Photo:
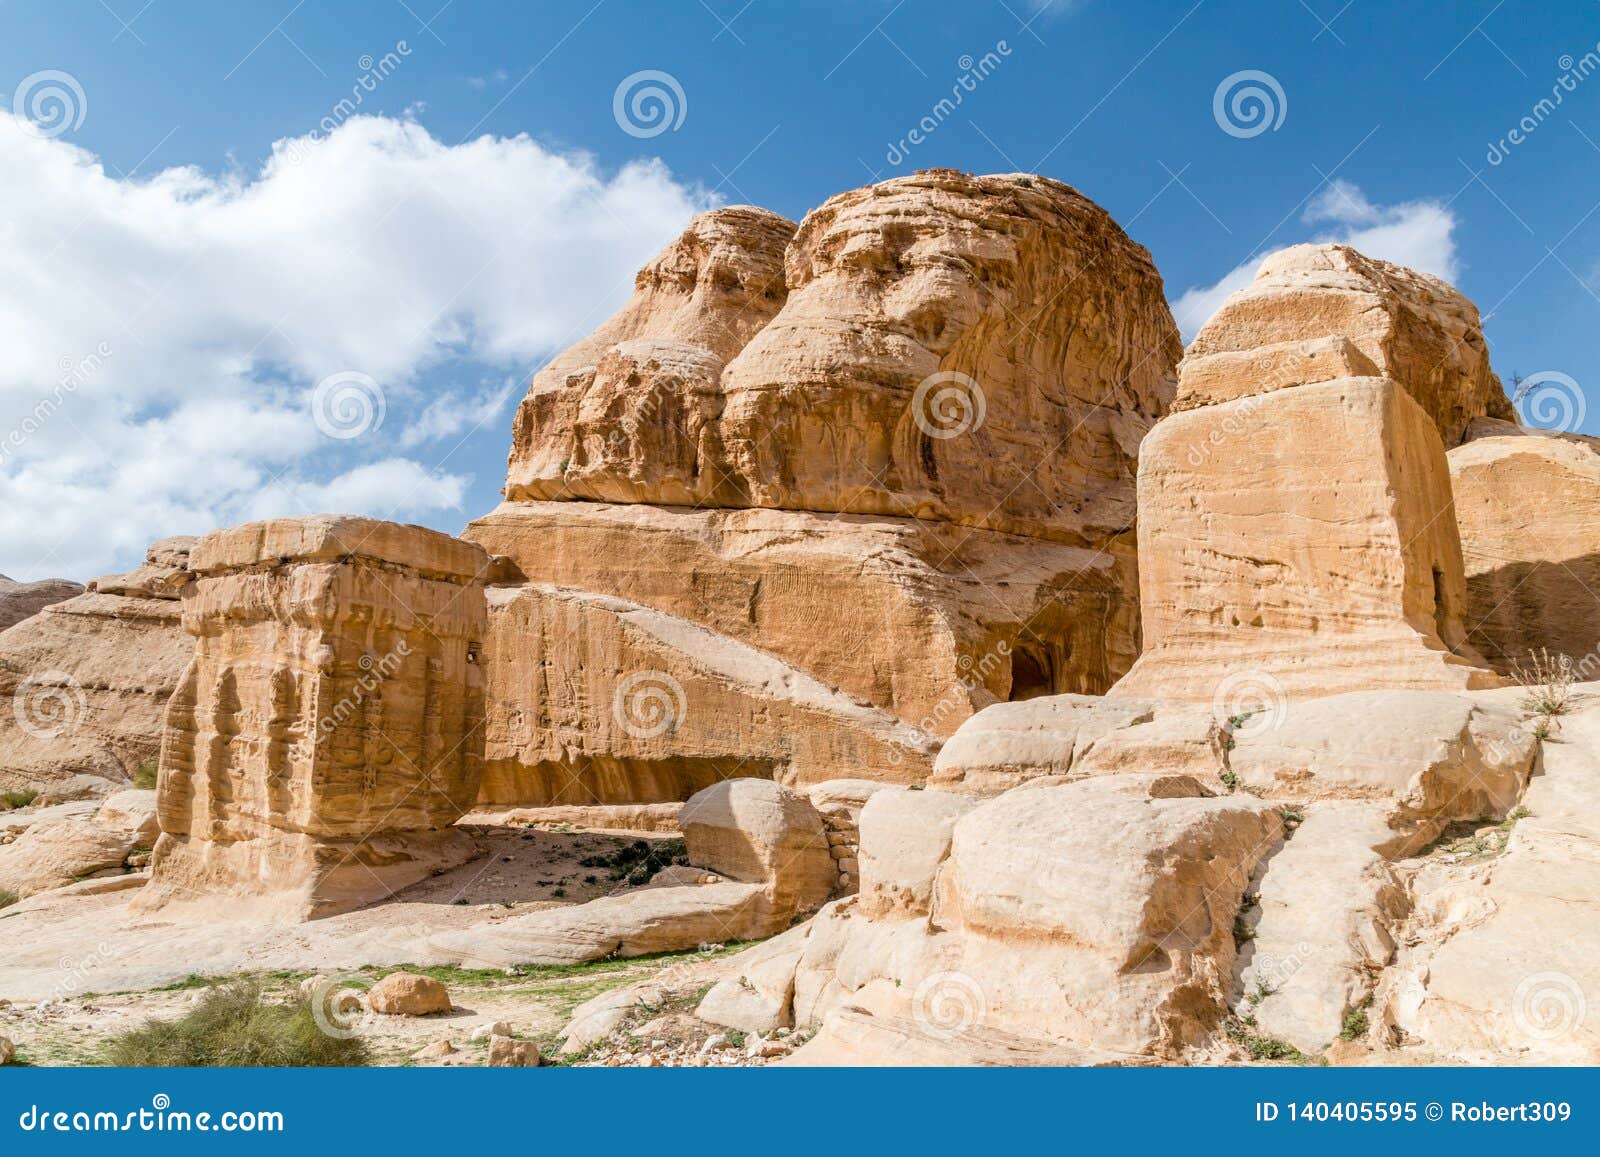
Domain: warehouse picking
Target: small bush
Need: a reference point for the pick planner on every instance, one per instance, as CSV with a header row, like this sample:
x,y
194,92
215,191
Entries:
x,y
233,1026
638,862
1548,679
7,897
146,774
16,799
1355,1021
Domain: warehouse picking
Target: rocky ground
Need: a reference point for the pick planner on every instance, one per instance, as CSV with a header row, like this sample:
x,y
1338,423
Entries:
x,y
536,1003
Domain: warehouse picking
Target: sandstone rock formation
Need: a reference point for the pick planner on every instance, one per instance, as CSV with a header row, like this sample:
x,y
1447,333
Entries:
x,y
1528,504
1296,530
1317,313
19,601
89,677
1369,778
51,848
918,425
927,620
329,728
691,708
1092,915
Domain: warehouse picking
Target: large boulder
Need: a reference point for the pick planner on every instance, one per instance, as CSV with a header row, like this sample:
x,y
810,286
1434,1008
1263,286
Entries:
x,y
1317,313
1433,758
89,677
1528,504
1094,915
758,832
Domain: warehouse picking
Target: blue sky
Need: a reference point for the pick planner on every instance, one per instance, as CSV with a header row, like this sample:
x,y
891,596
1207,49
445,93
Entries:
x,y
206,233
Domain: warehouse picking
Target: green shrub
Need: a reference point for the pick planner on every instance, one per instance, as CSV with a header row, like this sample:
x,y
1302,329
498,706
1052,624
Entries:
x,y
146,775
16,799
232,1026
639,861
7,897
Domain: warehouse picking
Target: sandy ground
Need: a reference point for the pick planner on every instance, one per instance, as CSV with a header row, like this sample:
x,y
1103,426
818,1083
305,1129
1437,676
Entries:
x,y
51,949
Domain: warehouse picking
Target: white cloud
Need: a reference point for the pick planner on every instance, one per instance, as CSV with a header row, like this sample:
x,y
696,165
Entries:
x,y
451,413
160,338
1419,234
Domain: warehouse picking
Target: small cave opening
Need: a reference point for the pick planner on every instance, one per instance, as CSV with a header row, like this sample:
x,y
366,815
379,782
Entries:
x,y
1032,674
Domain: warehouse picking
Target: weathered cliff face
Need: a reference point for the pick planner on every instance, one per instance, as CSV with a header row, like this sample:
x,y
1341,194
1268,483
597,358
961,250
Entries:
x,y
20,601
329,726
89,677
1528,503
1320,312
892,450
925,620
981,350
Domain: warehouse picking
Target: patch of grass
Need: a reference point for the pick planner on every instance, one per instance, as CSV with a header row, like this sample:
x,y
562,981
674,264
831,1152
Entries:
x,y
146,774
736,1038
15,799
1548,679
638,862
1242,1031
1355,1021
8,897
232,1026
1230,780
1242,932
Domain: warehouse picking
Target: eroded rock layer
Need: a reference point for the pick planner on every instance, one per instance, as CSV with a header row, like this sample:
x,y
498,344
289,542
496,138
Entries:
x,y
925,620
89,677
328,729
1319,312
